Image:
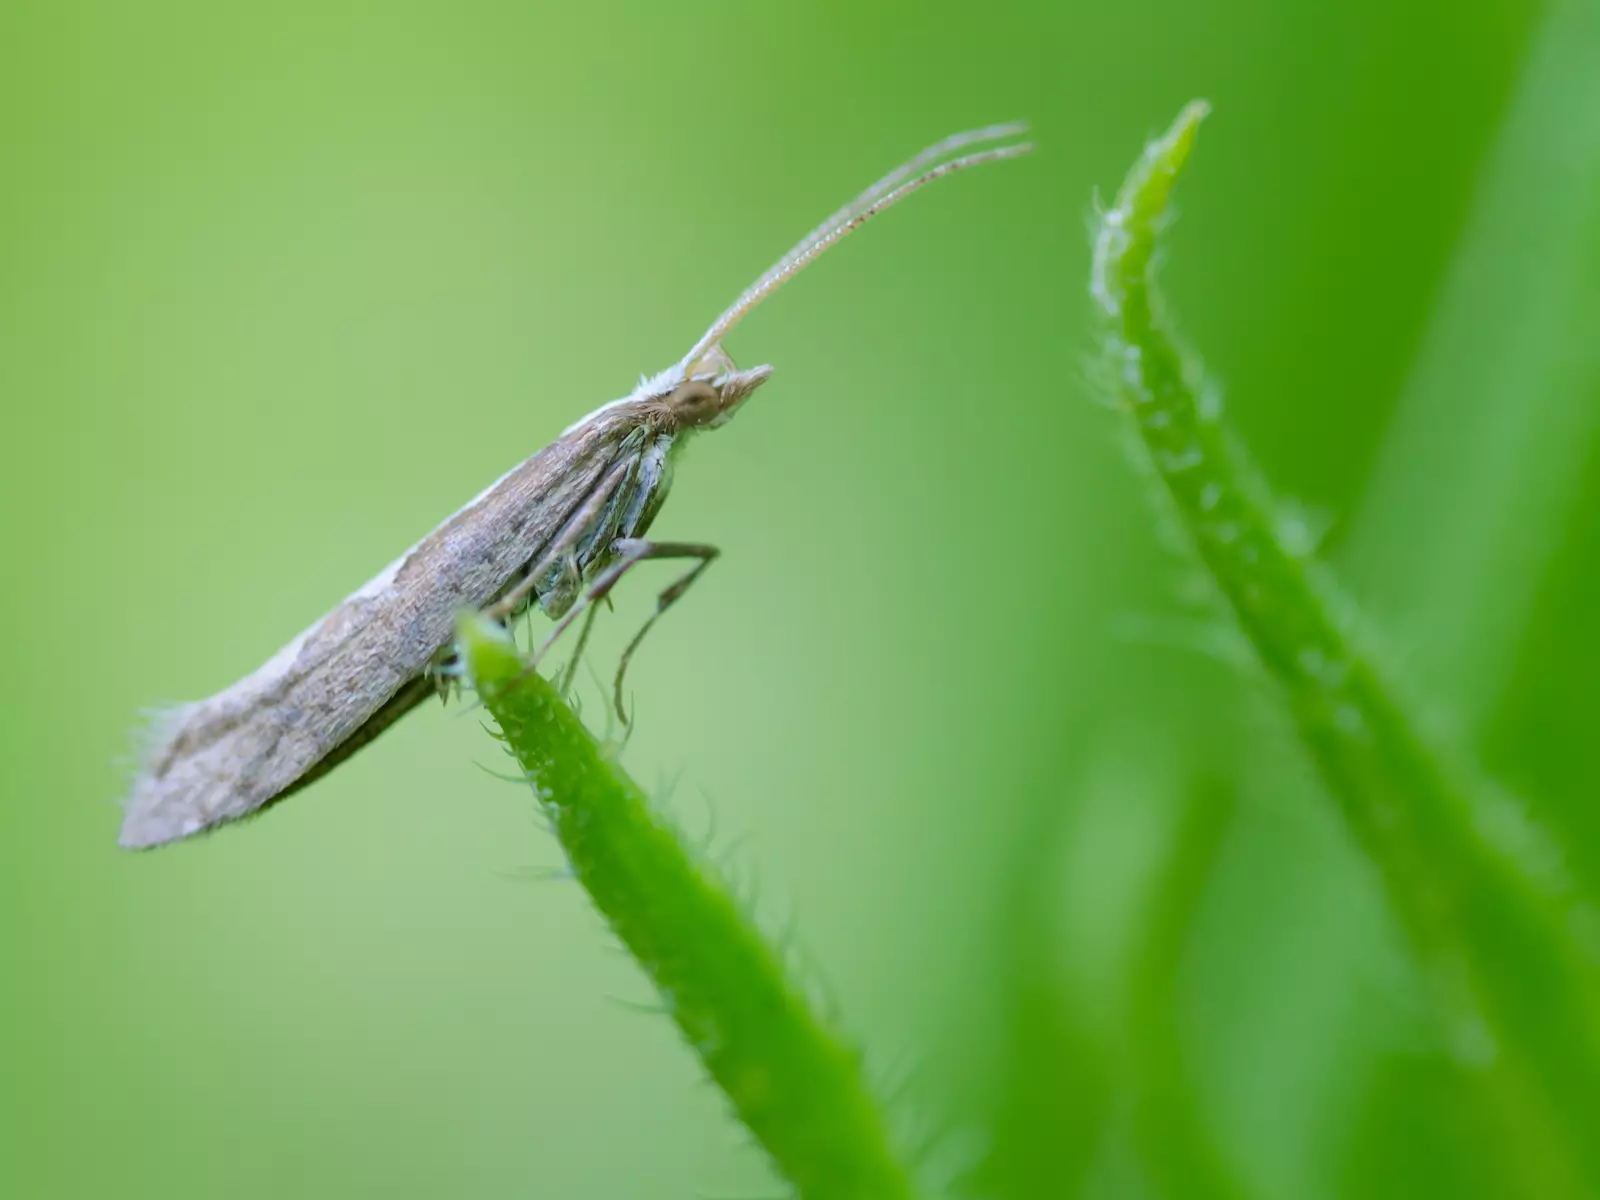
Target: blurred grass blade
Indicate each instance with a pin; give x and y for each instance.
(1055, 1077)
(791, 1079)
(1096, 1069)
(1056, 1087)
(1521, 995)
(1481, 469)
(1485, 456)
(1176, 1139)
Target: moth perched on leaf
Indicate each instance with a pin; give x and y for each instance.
(558, 531)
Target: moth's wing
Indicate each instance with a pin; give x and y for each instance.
(421, 687)
(357, 670)
(224, 757)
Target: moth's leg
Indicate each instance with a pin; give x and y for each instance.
(444, 672)
(564, 684)
(557, 576)
(665, 600)
(570, 671)
(626, 554)
(629, 552)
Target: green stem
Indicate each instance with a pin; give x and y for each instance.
(1495, 933)
(792, 1080)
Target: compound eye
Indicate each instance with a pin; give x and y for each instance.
(695, 402)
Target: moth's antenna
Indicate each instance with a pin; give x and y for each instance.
(956, 141)
(889, 190)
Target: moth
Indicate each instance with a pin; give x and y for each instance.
(557, 531)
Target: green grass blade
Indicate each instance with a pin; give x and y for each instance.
(1496, 936)
(1485, 457)
(791, 1079)
(1477, 482)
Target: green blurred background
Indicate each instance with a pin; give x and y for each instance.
(281, 286)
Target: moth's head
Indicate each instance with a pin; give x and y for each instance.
(712, 390)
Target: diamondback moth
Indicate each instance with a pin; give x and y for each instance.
(558, 530)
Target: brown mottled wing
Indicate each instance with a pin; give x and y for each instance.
(224, 757)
